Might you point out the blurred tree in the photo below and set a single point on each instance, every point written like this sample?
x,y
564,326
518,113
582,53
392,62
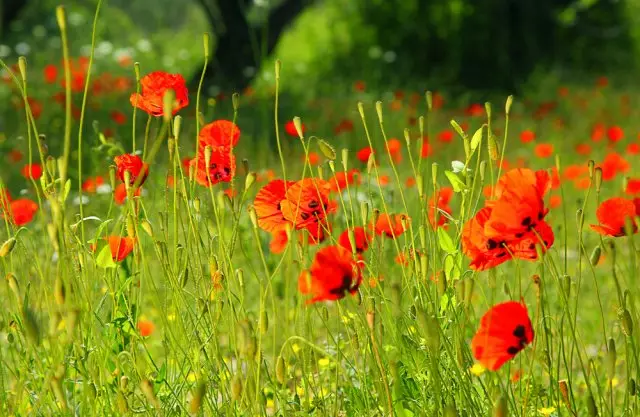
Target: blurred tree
x,y
244,36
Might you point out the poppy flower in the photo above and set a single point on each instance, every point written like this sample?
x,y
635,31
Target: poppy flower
x,y
21,211
120,247
613,165
615,134
333,273
146,328
475,110
543,150
307,203
504,331
392,225
32,171
633,148
445,136
90,185
15,156
597,132
138,170
153,87
555,201
290,129
426,150
363,154
613,214
394,146
313,158
118,117
361,240
279,240
438,204
267,205
120,194
340,181
527,136
344,126
50,74
583,149
219,133
633,186
359,86
222,166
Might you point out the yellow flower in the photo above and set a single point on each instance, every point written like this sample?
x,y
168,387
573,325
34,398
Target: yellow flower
x,y
191,377
300,390
323,362
296,348
477,369
547,411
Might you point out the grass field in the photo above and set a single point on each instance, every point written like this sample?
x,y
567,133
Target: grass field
x,y
171,253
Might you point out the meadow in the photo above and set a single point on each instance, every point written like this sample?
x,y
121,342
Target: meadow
x,y
167,251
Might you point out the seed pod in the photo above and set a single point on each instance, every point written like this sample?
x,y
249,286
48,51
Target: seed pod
x,y
264,322
168,103
146,226
235,101
281,370
626,322
598,178
610,359
7,247
297,123
595,255
177,125
249,180
236,388
591,406
429,97
198,396
492,144
253,217
371,162
507,105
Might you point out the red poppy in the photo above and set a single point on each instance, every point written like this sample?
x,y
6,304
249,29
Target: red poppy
x,y
222,166
138,170
633,186
445,136
359,86
21,211
267,205
394,146
120,194
439,204
363,154
313,158
392,225
344,126
555,201
120,247
290,129
426,150
90,185
613,214
597,132
146,328
361,240
527,136
633,148
118,117
307,203
15,156
32,171
543,150
279,240
504,331
615,134
583,149
340,181
219,133
50,74
153,88
475,110
332,275
613,165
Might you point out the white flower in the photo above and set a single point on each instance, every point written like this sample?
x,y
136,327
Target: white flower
x,y
144,45
23,48
103,189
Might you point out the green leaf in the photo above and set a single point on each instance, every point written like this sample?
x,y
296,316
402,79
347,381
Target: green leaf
x,y
67,190
104,258
476,139
326,149
457,184
445,242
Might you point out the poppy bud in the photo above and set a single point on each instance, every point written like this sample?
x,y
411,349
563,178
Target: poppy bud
x,y
434,173
595,255
471,287
371,313
598,178
167,104
171,146
487,107
22,66
424,265
564,392
59,291
632,387
245,164
131,226
345,158
147,389
198,396
461,287
332,167
501,407
457,128
320,172
235,102
240,277
591,165
580,218
364,211
507,105
236,388
253,216
591,406
281,370
483,170
407,138
429,97
206,42
264,322
61,18
278,66
146,226
177,125
420,185
13,285
124,383
297,123
7,247
379,111
626,322
196,205
123,406
492,145
249,180
610,359
371,162
328,151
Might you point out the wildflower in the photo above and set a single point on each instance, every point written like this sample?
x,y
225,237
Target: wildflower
x,y
475,110
32,171
307,203
50,74
391,226
543,150
313,158
138,170
219,133
394,146
21,211
279,240
120,247
221,168
613,165
146,328
361,240
583,149
340,181
120,194
527,136
267,205
153,88
613,214
345,126
90,185
615,134
438,204
633,186
290,129
118,117
364,154
332,275
445,136
597,132
504,331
